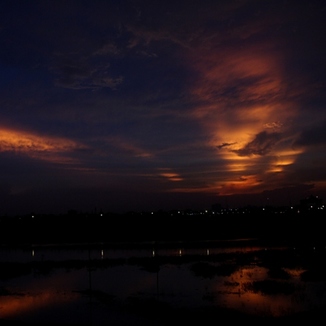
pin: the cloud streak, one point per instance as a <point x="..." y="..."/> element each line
<point x="51" y="149"/>
<point x="82" y="75"/>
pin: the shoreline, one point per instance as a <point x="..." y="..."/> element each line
<point x="169" y="244"/>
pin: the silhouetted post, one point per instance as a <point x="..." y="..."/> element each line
<point x="90" y="286"/>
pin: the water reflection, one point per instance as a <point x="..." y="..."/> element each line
<point x="98" y="283"/>
<point x="27" y="306"/>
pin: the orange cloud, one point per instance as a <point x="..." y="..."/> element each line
<point x="238" y="186"/>
<point x="243" y="108"/>
<point x="129" y="147"/>
<point x="52" y="149"/>
<point x="171" y="176"/>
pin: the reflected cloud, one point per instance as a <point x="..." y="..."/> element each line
<point x="13" y="305"/>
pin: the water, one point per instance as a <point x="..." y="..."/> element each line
<point x="115" y="285"/>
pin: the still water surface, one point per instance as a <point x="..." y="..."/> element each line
<point x="102" y="285"/>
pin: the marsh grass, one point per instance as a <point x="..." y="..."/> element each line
<point x="269" y="287"/>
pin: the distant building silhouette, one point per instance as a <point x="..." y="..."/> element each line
<point x="311" y="203"/>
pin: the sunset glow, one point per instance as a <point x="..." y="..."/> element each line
<point x="164" y="101"/>
<point x="37" y="146"/>
<point x="248" y="122"/>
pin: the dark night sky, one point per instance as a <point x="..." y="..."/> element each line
<point x="146" y="105"/>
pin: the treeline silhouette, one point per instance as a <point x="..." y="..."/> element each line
<point x="85" y="228"/>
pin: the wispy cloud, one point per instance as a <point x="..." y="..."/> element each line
<point x="56" y="150"/>
<point x="262" y="144"/>
<point x="170" y="175"/>
<point x="84" y="74"/>
<point x="129" y="147"/>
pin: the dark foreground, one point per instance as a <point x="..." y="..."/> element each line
<point x="137" y="227"/>
<point x="140" y="309"/>
<point x="137" y="230"/>
<point x="162" y="315"/>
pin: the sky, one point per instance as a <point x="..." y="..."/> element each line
<point x="145" y="105"/>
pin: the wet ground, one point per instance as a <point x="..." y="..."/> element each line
<point x="204" y="283"/>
